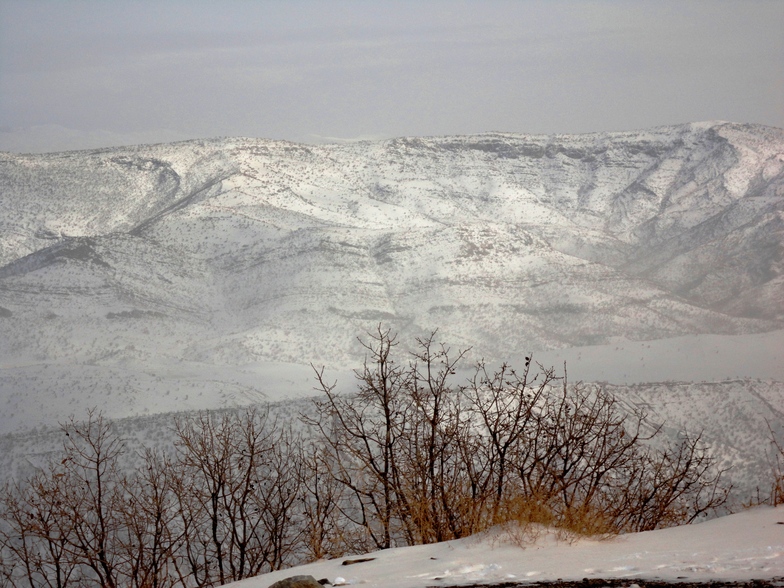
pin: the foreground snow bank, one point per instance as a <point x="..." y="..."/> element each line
<point x="748" y="545"/>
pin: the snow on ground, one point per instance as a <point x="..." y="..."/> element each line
<point x="743" y="546"/>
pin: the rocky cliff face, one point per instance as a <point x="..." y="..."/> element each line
<point x="199" y="259"/>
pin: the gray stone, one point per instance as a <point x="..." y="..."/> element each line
<point x="351" y="562"/>
<point x="297" y="582"/>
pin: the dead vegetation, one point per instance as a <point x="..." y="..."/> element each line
<point x="409" y="457"/>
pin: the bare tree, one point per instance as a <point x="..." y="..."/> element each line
<point x="362" y="433"/>
<point x="423" y="460"/>
<point x="151" y="540"/>
<point x="408" y="458"/>
<point x="237" y="484"/>
<point x="36" y="535"/>
<point x="325" y="533"/>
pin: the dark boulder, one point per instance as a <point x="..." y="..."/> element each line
<point x="297" y="582"/>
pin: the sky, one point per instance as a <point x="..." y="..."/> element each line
<point x="83" y="74"/>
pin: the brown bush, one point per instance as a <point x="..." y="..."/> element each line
<point x="223" y="507"/>
<point x="422" y="459"/>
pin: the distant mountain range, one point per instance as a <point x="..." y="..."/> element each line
<point x="206" y="274"/>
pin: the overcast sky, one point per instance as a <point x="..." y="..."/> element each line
<point x="79" y="74"/>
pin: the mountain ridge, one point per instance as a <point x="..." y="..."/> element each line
<point x="238" y="253"/>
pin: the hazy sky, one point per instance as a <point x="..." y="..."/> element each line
<point x="77" y="74"/>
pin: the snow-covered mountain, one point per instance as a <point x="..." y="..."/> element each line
<point x="205" y="274"/>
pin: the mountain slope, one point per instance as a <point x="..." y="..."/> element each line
<point x="151" y="266"/>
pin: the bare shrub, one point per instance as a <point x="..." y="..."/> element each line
<point x="64" y="525"/>
<point x="325" y="533"/>
<point x="408" y="457"/>
<point x="773" y="494"/>
<point x="223" y="507"/>
<point x="152" y="539"/>
<point x="397" y="447"/>
<point x="360" y="434"/>
<point x="674" y="486"/>
<point x="36" y="536"/>
<point x="505" y="409"/>
<point x="422" y="459"/>
<point x="237" y="484"/>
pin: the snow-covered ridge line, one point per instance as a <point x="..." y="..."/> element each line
<point x="132" y="272"/>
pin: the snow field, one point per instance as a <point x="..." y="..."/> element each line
<point x="743" y="546"/>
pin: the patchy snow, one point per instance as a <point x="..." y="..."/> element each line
<point x="748" y="545"/>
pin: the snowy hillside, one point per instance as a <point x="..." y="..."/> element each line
<point x="124" y="268"/>
<point x="156" y="280"/>
<point x="208" y="274"/>
<point x="749" y="545"/>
